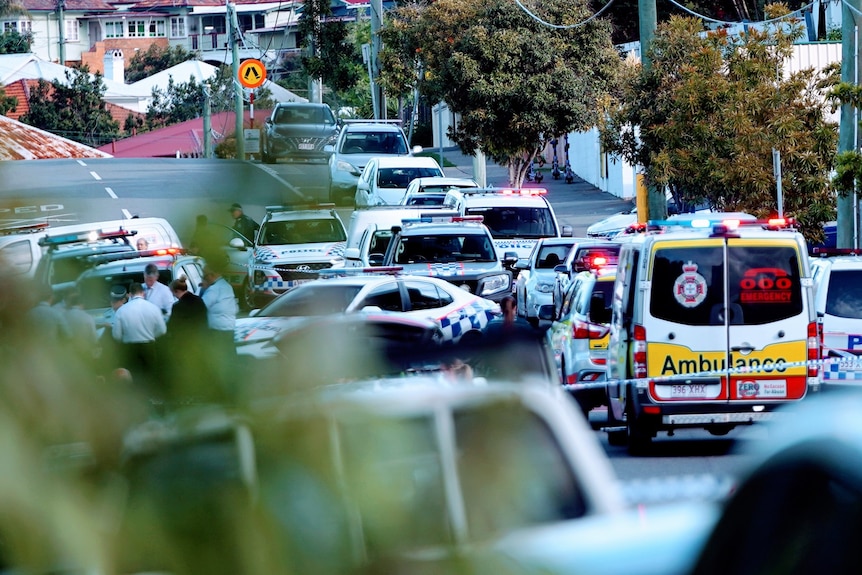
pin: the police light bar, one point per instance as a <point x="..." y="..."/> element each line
<point x="524" y="192"/>
<point x="90" y="236"/>
<point x="438" y="219"/>
<point x="97" y="259"/>
<point x="343" y="272"/>
<point x="24" y="228"/>
<point x="826" y="252"/>
<point x="298" y="207"/>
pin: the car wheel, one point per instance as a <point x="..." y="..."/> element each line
<point x="639" y="438"/>
<point x="618" y="438"/>
<point x="249" y="300"/>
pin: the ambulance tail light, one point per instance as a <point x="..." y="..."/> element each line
<point x="639" y="352"/>
<point x="586" y="330"/>
<point x="814" y="342"/>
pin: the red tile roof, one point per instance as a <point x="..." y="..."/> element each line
<point x="185" y="138"/>
<point x="71" y="5"/>
<point x="21" y="89"/>
<point x="22" y="142"/>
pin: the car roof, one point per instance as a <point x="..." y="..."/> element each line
<point x="136" y="263"/>
<point x="371" y="127"/>
<point x="444" y="228"/>
<point x="494" y="200"/>
<point x="289" y="215"/>
<point x="444" y="181"/>
<point x="406" y="162"/>
<point x="839" y="262"/>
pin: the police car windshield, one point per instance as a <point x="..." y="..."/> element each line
<point x="516" y="222"/>
<point x="302" y="232"/>
<point x="312" y="299"/>
<point x="472" y="247"/>
<point x="844" y="298"/>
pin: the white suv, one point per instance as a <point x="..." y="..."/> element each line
<point x="293" y="243"/>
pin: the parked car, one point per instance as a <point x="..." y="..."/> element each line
<point x="298" y="132"/>
<point x="357" y="143"/>
<point x="385" y="179"/>
<point x="432" y="191"/>
<point x="535" y="284"/>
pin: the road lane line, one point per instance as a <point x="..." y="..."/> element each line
<point x="82" y="163"/>
<point x="111" y="193"/>
<point x="95" y="175"/>
<point x="127" y="213"/>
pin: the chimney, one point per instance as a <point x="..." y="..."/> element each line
<point x="115" y="66"/>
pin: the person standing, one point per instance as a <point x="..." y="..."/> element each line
<point x="156" y="292"/>
<point x="186" y="346"/>
<point x="242" y="223"/>
<point x="221" y="319"/>
<point x="189" y="313"/>
<point x="82" y="328"/>
<point x="137" y="325"/>
<point x="47" y="319"/>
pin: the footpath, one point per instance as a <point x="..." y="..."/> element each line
<point x="578" y="204"/>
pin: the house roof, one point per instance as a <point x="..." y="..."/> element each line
<point x="70" y="6"/>
<point x="185" y="138"/>
<point x="22" y="142"/>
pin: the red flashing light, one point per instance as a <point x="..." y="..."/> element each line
<point x="524" y="192"/>
<point x="814" y="342"/>
<point x="639" y="356"/>
<point x="468" y="219"/>
<point x="585" y="330"/>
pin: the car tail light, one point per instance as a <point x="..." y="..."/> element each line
<point x="585" y="330"/>
<point x="639" y="352"/>
<point x="814" y="342"/>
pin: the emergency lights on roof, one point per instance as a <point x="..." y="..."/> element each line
<point x="524" y="192"/>
<point x="90" y="236"/>
<point x="343" y="272"/>
<point x="826" y="252"/>
<point x="729" y="224"/>
<point x="24" y="228"/>
<point x="428" y="219"/>
<point x="297" y="207"/>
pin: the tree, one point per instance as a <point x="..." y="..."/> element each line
<point x="7" y="103"/>
<point x="74" y="109"/>
<point x="704" y="119"/>
<point x="12" y="8"/>
<point x="335" y="59"/>
<point x="14" y="42"/>
<point x="155" y="59"/>
<point x="514" y="82"/>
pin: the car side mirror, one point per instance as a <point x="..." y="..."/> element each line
<point x="351" y="254"/>
<point x="375" y="259"/>
<point x="510" y="258"/>
<point x="522" y="265"/>
<point x="547" y="312"/>
<point x="237" y="243"/>
<point x="416" y="150"/>
<point x="329" y="148"/>
<point x="253" y="312"/>
<point x="561" y="269"/>
<point x="567" y="232"/>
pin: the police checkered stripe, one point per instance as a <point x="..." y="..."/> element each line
<point x="272" y="283"/>
<point x="833" y="365"/>
<point x="474" y="315"/>
<point x="446" y="269"/>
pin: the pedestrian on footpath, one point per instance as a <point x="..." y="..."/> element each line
<point x="156" y="292"/>
<point x="242" y="223"/>
<point x="137" y="325"/>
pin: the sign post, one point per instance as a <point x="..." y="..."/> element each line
<point x="252" y="74"/>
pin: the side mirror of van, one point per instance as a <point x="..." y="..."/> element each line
<point x="237" y="243"/>
<point x="547" y="312"/>
<point x="510" y="258"/>
<point x="561" y="269"/>
<point x="375" y="260"/>
<point x="567" y="231"/>
<point x="351" y="254"/>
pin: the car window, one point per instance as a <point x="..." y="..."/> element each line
<point x="17" y="256"/>
<point x="425" y="295"/>
<point x="401" y="177"/>
<point x="844" y="298"/>
<point x="551" y="256"/>
<point x="386" y="297"/>
<point x="380" y="241"/>
<point x="513" y="221"/>
<point x="445" y="248"/>
<point x="311" y="300"/>
<point x="569" y="297"/>
<point x="302" y="232"/>
<point x="599" y="305"/>
<point x="688" y="284"/>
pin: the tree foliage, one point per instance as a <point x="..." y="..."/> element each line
<point x="330" y="53"/>
<point x="154" y="59"/>
<point x="14" y="42"/>
<point x="704" y="119"/>
<point x="7" y="103"/>
<point x="514" y="82"/>
<point x="74" y="109"/>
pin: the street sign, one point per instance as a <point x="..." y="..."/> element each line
<point x="252" y="73"/>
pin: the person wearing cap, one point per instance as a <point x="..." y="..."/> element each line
<point x="156" y="292"/>
<point x="242" y="223"/>
<point x="109" y="357"/>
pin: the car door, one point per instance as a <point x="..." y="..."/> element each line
<point x="366" y="180"/>
<point x="386" y="297"/>
<point x="722" y="304"/>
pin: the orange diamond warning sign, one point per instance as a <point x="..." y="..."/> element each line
<point x="252" y="73"/>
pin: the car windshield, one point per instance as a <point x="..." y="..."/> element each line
<point x="425" y="199"/>
<point x="401" y="177"/>
<point x="374" y="143"/>
<point x="302" y="232"/>
<point x="95" y="290"/>
<point x="312" y="299"/>
<point x="304" y="115"/>
<point x="445" y="248"/>
<point x="516" y="222"/>
<point x="844" y="298"/>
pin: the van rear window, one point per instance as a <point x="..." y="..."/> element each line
<point x="844" y="298"/>
<point x="762" y="283"/>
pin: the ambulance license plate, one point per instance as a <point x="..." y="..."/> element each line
<point x="685" y="390"/>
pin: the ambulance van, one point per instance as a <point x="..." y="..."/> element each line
<point x="713" y="325"/>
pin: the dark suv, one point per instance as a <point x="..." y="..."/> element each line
<point x="298" y="132"/>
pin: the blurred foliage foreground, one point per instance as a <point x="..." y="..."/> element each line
<point x="97" y="478"/>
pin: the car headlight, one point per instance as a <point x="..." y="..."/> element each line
<point x="494" y="284"/>
<point x="544" y="288"/>
<point x="343" y="166"/>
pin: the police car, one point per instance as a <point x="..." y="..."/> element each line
<point x="838" y="300"/>
<point x="459" y="249"/>
<point x="535" y="284"/>
<point x="293" y="243"/>
<point x="579" y="335"/>
<point x="456" y="311"/>
<point x="713" y="326"/>
<point x="516" y="218"/>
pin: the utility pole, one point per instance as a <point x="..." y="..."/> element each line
<point x="376" y="45"/>
<point x="848" y="224"/>
<point x="315" y="85"/>
<point x="655" y="200"/>
<point x="234" y="38"/>
<point x="208" y="140"/>
<point x="61" y="22"/>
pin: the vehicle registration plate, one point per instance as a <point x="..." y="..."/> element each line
<point x="304" y="146"/>
<point x="688" y="390"/>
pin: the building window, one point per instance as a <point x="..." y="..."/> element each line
<point x="22" y="26"/>
<point x="213" y="24"/>
<point x="156" y="29"/>
<point x="136" y="28"/>
<point x="178" y="27"/>
<point x="113" y="29"/>
<point x="250" y="21"/>
<point x="71" y="27"/>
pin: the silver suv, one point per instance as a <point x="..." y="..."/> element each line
<point x="298" y="132"/>
<point x="357" y="143"/>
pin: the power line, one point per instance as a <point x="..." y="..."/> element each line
<point x="731" y="23"/>
<point x="563" y="26"/>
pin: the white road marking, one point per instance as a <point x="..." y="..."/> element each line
<point x="111" y="193"/>
<point x="82" y="163"/>
<point x="127" y="214"/>
<point x="95" y="175"/>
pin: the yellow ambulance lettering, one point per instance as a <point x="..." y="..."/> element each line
<point x="665" y="360"/>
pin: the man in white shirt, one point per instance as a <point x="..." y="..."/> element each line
<point x="156" y="292"/>
<point x="137" y="324"/>
<point x="221" y="317"/>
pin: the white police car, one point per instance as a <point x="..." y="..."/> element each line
<point x="457" y="311"/>
<point x="838" y="300"/>
<point x="458" y="249"/>
<point x="535" y="284"/>
<point x="293" y="243"/>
